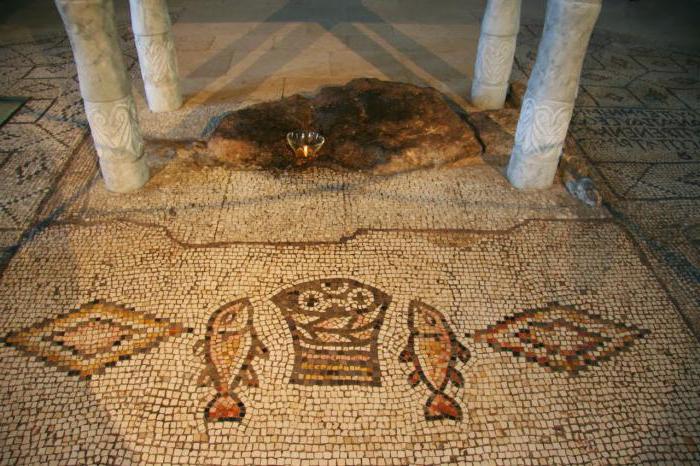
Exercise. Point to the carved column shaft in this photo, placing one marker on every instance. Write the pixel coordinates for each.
(156, 48)
(549, 100)
(494, 58)
(104, 86)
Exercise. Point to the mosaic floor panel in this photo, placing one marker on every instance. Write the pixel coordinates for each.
(214, 204)
(640, 132)
(437, 317)
(551, 340)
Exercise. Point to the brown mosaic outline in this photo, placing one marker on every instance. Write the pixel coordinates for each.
(438, 405)
(614, 218)
(343, 239)
(351, 360)
(574, 360)
(23, 340)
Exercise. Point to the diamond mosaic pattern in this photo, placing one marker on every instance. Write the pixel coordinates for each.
(97, 335)
(561, 338)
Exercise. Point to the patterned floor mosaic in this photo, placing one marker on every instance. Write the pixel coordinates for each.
(392, 347)
(640, 131)
(322, 317)
(38, 141)
(93, 337)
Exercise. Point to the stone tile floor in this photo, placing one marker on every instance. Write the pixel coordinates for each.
(565, 365)
(326, 317)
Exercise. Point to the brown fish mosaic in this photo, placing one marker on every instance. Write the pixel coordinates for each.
(434, 350)
(230, 346)
(559, 337)
(335, 325)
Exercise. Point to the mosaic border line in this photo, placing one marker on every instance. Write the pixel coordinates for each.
(614, 219)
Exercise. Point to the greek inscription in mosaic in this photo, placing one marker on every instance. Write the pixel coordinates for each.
(672, 132)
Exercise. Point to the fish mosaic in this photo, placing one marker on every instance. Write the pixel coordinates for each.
(434, 350)
(335, 324)
(230, 346)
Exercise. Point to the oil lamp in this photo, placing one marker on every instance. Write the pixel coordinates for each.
(305, 145)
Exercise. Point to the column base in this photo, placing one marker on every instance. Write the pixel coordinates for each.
(163, 98)
(532, 172)
(488, 96)
(121, 176)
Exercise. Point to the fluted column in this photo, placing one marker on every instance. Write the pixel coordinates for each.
(494, 56)
(551, 91)
(106, 92)
(154, 43)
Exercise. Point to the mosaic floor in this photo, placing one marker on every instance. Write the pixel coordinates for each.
(394, 347)
(640, 133)
(323, 317)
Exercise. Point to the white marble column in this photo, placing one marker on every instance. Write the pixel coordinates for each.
(551, 91)
(154, 43)
(106, 91)
(494, 57)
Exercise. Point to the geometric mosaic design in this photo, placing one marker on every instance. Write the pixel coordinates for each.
(639, 131)
(97, 335)
(559, 337)
(433, 350)
(335, 326)
(649, 154)
(646, 181)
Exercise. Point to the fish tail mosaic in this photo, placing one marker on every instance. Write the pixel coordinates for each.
(230, 346)
(225, 407)
(560, 337)
(93, 337)
(335, 325)
(433, 350)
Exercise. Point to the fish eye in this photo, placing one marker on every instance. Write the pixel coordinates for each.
(309, 300)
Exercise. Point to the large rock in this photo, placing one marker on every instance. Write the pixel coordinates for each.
(385, 127)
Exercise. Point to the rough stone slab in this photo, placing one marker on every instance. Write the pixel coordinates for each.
(368, 124)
